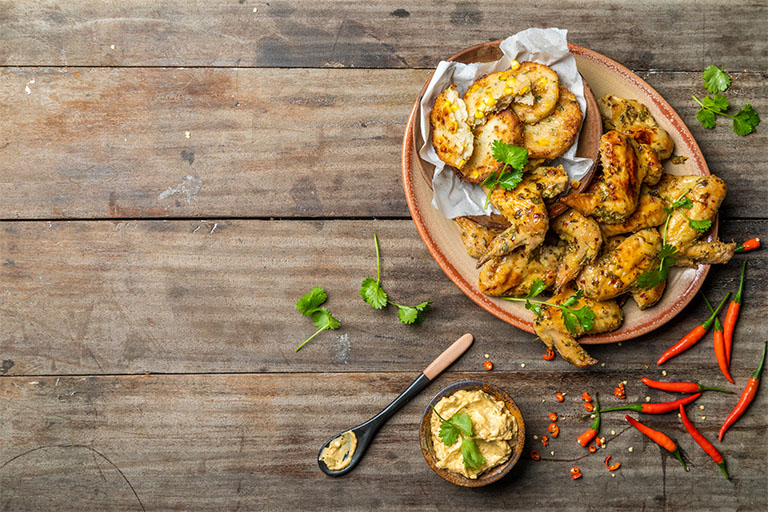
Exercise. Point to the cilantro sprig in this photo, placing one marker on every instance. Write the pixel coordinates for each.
(512, 156)
(575, 320)
(716, 80)
(460, 425)
(309, 305)
(373, 293)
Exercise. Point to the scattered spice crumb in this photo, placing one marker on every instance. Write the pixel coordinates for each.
(535, 437)
(701, 407)
(613, 432)
(646, 366)
(486, 356)
(630, 449)
(255, 9)
(664, 372)
(112, 46)
(647, 399)
(522, 365)
(678, 159)
(619, 343)
(602, 365)
(703, 418)
(187, 134)
(552, 453)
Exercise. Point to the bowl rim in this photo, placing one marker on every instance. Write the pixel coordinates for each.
(494, 474)
(488, 303)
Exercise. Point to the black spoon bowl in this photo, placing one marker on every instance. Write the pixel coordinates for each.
(365, 432)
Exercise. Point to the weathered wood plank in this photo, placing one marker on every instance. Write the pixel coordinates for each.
(370, 34)
(111, 143)
(180, 296)
(224, 442)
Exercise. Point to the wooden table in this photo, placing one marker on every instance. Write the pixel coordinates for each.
(175, 174)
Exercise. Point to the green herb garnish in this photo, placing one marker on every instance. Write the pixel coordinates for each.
(460, 425)
(373, 293)
(716, 80)
(512, 156)
(574, 319)
(309, 305)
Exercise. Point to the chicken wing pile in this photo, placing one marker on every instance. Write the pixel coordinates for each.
(629, 220)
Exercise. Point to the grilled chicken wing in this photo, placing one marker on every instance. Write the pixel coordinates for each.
(648, 298)
(705, 253)
(475, 236)
(550, 181)
(617, 270)
(514, 274)
(649, 162)
(583, 238)
(705, 192)
(552, 331)
(649, 213)
(527, 214)
(633, 119)
(613, 195)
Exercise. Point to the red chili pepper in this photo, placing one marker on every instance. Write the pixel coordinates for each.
(592, 448)
(598, 442)
(611, 467)
(692, 337)
(535, 455)
(545, 440)
(703, 442)
(553, 429)
(719, 343)
(620, 392)
(575, 473)
(585, 396)
(655, 408)
(746, 398)
(680, 387)
(732, 315)
(488, 365)
(559, 397)
(660, 438)
(548, 355)
(589, 407)
(553, 416)
(752, 243)
(590, 434)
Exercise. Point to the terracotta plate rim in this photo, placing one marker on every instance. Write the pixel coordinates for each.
(492, 305)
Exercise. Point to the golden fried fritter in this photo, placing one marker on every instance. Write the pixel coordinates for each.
(545, 88)
(494, 92)
(451, 135)
(553, 135)
(503, 126)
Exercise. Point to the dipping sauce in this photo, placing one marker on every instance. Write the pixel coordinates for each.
(338, 454)
(493, 425)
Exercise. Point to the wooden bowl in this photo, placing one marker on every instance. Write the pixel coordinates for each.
(442, 239)
(494, 474)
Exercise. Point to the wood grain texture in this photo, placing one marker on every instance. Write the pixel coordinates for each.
(249, 442)
(371, 34)
(112, 143)
(184, 296)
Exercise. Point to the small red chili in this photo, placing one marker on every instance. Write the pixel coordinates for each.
(585, 396)
(592, 448)
(545, 440)
(575, 473)
(535, 455)
(559, 397)
(548, 355)
(589, 407)
(488, 365)
(554, 429)
(553, 416)
(611, 467)
(619, 392)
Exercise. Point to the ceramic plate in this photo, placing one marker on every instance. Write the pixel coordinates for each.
(442, 238)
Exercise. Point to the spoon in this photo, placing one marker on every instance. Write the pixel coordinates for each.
(365, 432)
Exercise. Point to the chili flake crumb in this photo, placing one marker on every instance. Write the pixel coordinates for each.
(647, 399)
(630, 449)
(613, 432)
(701, 407)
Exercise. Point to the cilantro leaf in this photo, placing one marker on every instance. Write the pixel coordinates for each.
(533, 307)
(717, 103)
(667, 251)
(700, 225)
(745, 120)
(463, 422)
(537, 287)
(323, 319)
(510, 180)
(373, 293)
(573, 299)
(652, 278)
(706, 118)
(471, 454)
(514, 156)
(410, 315)
(716, 79)
(448, 433)
(309, 303)
(684, 202)
(578, 321)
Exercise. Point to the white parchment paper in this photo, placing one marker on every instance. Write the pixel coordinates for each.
(455, 198)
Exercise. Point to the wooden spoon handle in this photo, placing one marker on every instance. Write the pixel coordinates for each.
(450, 355)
